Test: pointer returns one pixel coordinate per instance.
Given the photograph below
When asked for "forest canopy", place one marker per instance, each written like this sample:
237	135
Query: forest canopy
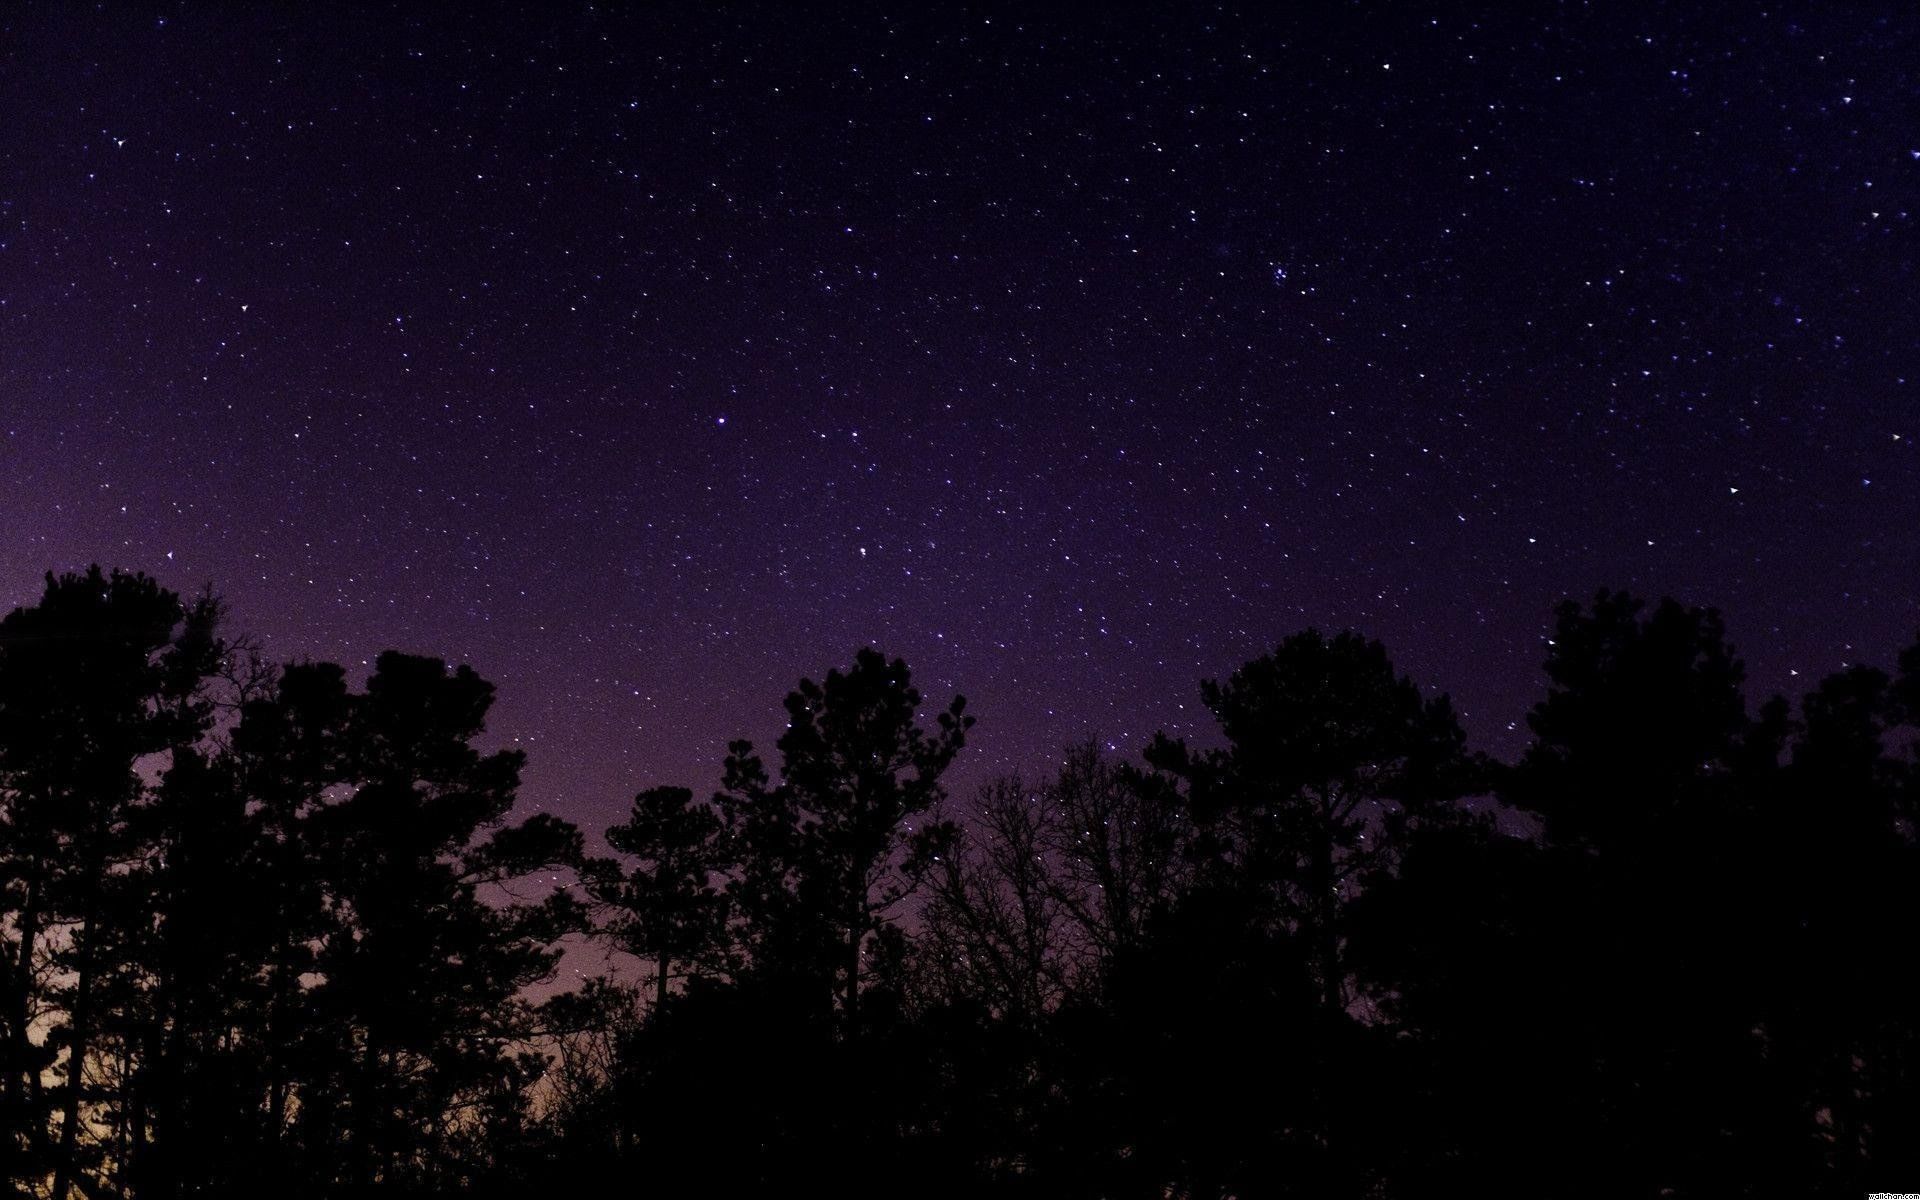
266	929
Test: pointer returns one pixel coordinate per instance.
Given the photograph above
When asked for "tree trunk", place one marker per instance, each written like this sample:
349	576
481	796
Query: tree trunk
1325	910
20	1075
140	1147
361	1156
854	932
280	1000
80	1032
163	1157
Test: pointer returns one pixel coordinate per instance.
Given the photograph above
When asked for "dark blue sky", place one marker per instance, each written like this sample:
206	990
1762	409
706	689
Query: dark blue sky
651	360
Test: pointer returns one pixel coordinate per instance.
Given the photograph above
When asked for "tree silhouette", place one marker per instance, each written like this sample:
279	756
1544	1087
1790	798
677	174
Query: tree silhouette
1329	755
1837	883
1037	890
993	927
195	986
97	678
266	932
289	755
422	978
826	849
668	907
1639	715
1121	838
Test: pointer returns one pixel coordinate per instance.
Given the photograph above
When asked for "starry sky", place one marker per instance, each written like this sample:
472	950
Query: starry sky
648	359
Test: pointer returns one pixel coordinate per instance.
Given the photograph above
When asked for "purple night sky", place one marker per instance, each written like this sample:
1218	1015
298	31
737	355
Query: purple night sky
650	360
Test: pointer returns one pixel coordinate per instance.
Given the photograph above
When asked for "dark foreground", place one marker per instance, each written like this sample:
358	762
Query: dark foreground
271	931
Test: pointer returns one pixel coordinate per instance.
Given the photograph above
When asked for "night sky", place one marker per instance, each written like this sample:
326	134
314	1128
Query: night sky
650	360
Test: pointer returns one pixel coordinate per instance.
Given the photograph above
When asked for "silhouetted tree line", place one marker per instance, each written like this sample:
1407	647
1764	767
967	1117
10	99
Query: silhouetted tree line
269	933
